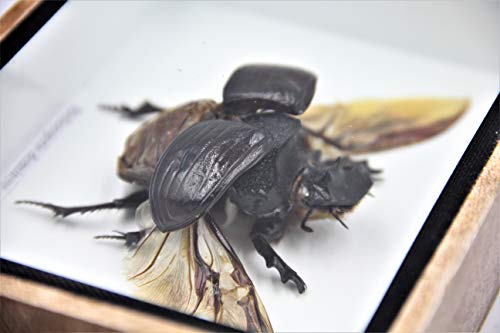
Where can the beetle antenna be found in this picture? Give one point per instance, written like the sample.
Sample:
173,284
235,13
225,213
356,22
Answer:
370,194
303,225
338,219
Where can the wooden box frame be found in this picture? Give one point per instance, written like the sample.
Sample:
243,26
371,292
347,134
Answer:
447,282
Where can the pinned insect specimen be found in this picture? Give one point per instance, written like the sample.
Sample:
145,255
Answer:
257,152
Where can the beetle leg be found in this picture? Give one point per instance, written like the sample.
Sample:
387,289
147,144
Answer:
270,230
131,201
274,260
127,111
131,238
303,225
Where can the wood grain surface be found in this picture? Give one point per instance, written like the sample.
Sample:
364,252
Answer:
15,15
60,307
461,281
19,317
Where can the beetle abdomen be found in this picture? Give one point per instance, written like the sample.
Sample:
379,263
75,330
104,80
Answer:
199,166
145,146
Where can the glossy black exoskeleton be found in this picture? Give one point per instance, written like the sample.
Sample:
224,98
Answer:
252,151
259,158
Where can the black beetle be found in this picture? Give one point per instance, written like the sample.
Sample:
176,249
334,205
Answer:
255,154
250,151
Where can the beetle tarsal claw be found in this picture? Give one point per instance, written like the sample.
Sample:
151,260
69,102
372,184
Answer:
131,238
306,228
118,237
131,201
127,111
374,170
274,260
303,225
57,210
66,211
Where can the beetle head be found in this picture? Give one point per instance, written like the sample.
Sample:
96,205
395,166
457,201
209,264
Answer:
332,184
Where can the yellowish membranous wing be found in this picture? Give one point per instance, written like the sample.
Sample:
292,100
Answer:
377,124
195,271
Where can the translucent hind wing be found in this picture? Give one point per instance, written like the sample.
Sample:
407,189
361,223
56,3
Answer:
194,270
379,124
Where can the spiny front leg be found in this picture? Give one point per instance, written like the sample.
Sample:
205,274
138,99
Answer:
272,229
144,108
274,260
131,201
